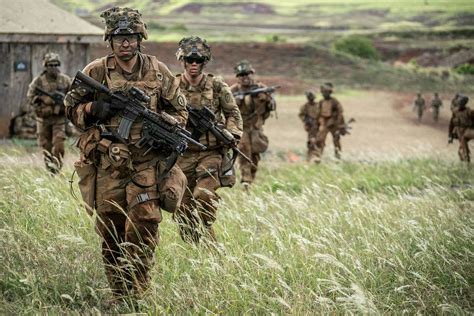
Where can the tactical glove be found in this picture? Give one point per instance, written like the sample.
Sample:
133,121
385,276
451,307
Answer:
102,109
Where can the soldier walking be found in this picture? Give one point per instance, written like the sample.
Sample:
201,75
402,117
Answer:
255,108
45,95
419,106
461,126
203,168
436,105
330,120
309,114
124,182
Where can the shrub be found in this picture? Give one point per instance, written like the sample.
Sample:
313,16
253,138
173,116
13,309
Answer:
358,46
465,69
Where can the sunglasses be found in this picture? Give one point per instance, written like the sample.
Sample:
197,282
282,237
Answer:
52,65
197,60
245,74
119,39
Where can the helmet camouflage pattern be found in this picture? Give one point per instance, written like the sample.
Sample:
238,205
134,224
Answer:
327,87
309,94
50,57
243,67
193,46
123,21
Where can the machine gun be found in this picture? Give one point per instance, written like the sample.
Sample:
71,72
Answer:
254,92
160,130
57,96
203,121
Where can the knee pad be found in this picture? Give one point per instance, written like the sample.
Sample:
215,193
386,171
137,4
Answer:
172,189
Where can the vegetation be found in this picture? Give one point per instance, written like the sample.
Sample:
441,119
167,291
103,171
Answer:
357,46
375,237
465,69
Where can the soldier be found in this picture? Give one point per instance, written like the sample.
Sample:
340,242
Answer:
436,104
124,183
202,168
419,106
255,109
330,120
51,121
309,113
461,126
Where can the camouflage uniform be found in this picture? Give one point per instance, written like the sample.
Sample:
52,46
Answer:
419,106
254,110
119,180
51,121
202,167
461,126
309,113
436,104
330,120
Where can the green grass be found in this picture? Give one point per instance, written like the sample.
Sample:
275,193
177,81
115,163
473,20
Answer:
376,237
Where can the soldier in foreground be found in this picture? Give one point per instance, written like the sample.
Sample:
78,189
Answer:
461,126
46,96
209,99
123,179
330,120
255,107
436,104
309,114
419,106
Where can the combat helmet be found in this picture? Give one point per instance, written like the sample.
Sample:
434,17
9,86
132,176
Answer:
123,21
309,95
327,86
50,57
193,46
243,67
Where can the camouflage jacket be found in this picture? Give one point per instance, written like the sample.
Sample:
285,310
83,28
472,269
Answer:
436,103
330,113
213,93
420,103
254,109
44,106
151,76
461,120
308,114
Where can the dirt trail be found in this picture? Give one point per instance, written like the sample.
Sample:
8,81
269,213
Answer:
385,128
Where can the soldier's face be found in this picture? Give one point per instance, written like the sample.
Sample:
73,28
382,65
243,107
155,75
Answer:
125,46
194,66
245,79
52,69
326,93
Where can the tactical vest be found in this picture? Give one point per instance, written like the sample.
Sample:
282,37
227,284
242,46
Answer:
202,95
312,110
61,84
464,119
328,108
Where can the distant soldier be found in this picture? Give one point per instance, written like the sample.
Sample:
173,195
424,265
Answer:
46,94
461,127
436,104
330,120
255,109
203,168
419,106
309,113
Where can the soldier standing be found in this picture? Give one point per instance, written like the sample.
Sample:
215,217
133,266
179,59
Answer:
436,104
330,120
461,126
255,109
49,111
203,168
309,113
123,182
419,106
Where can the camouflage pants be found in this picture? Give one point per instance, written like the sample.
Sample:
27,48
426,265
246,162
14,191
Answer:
321,142
247,171
465,135
51,135
435,114
198,208
311,144
419,113
128,215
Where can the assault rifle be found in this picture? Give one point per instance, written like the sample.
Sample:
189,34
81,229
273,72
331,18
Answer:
203,121
347,126
160,130
57,96
254,92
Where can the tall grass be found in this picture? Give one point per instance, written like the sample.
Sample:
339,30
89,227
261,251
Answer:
381,237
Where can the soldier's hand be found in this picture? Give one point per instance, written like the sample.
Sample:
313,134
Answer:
46,100
102,109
